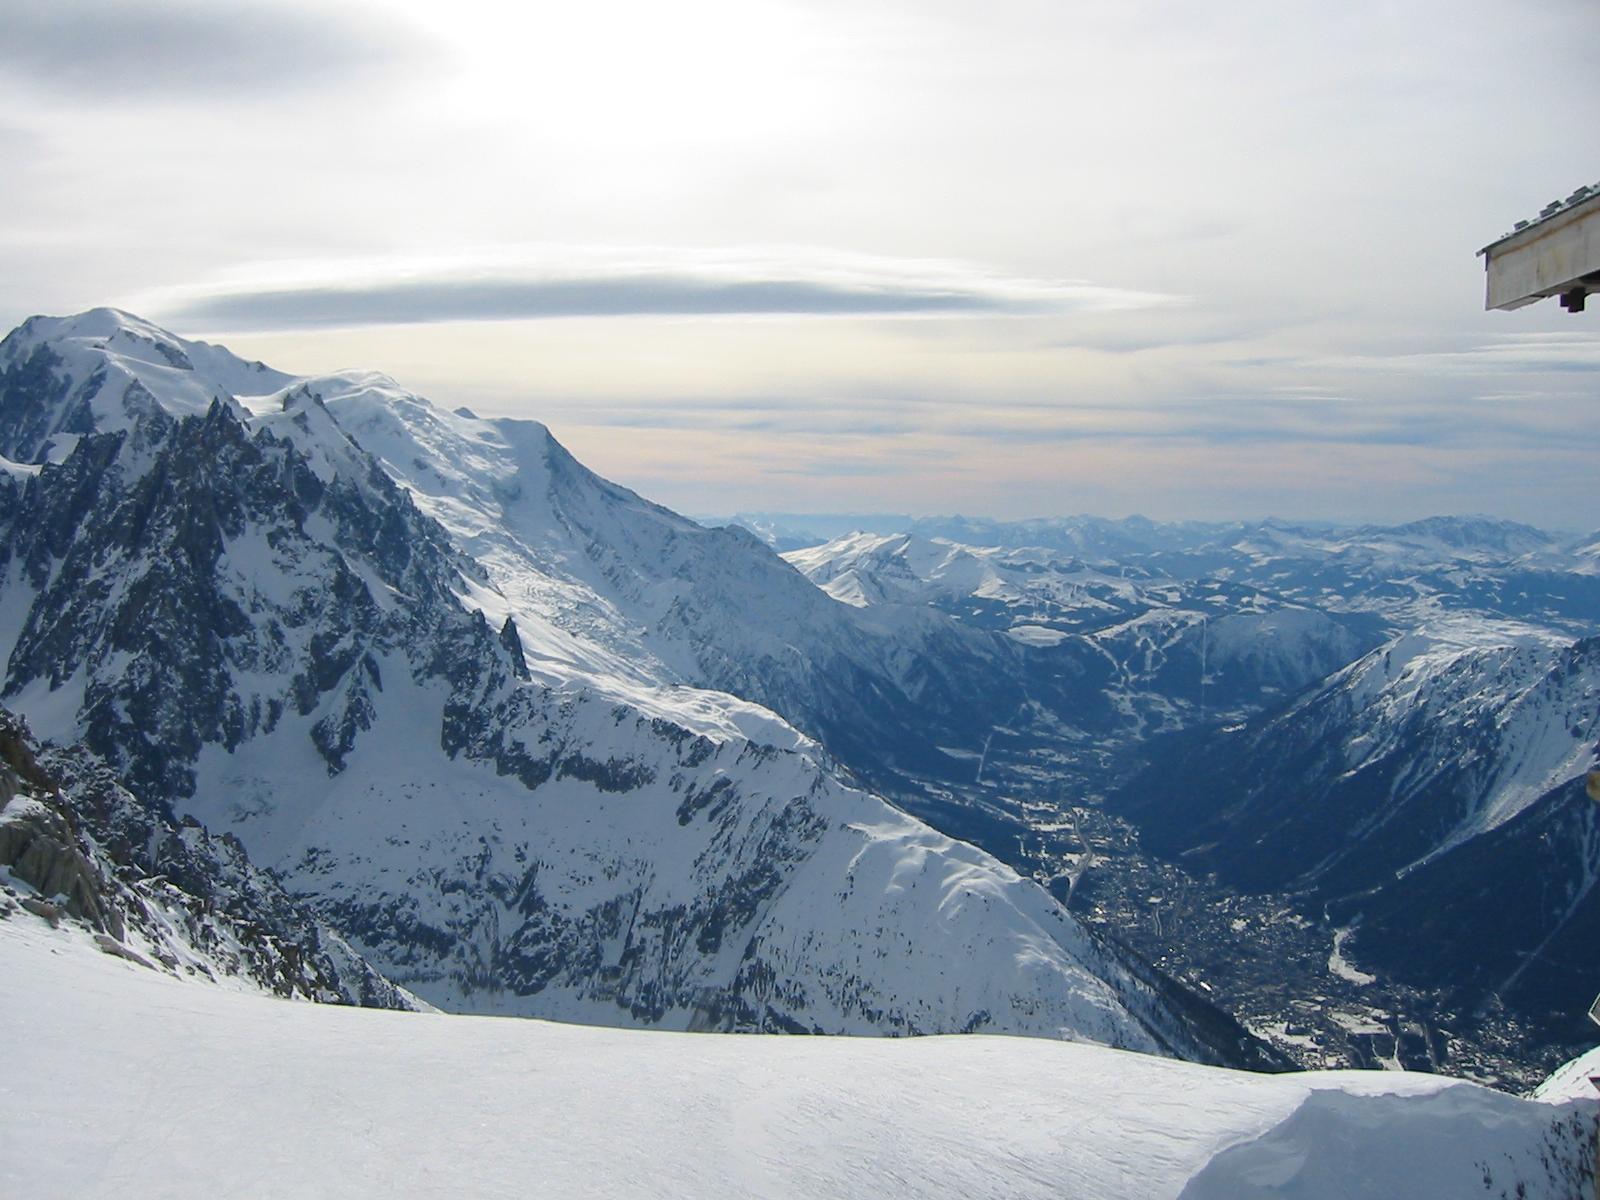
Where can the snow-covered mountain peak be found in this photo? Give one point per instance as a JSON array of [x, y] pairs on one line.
[[1470, 535], [867, 569], [648, 604], [144, 351], [608, 590], [99, 324], [107, 371], [299, 415], [1439, 736], [1416, 658], [561, 545], [1587, 553]]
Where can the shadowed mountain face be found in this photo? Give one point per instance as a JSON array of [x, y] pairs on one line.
[[1508, 920], [451, 688], [1415, 749], [1429, 797]]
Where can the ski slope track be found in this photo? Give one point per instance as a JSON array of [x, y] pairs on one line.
[[450, 690]]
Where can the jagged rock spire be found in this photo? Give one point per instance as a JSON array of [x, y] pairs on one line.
[[512, 641]]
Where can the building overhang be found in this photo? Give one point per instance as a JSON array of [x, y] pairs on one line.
[[1556, 255]]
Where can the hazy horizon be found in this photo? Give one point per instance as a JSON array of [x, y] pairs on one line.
[[886, 518]]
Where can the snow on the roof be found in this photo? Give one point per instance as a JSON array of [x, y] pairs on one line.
[[1554, 209]]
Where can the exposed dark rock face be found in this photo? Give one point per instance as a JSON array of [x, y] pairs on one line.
[[136, 593], [38, 847]]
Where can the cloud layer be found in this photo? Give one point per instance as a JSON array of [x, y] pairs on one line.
[[654, 284], [128, 50]]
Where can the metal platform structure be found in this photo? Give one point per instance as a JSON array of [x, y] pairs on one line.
[[1555, 254]]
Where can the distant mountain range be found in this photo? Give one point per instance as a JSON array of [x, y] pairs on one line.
[[1114, 538], [519, 735], [1388, 726]]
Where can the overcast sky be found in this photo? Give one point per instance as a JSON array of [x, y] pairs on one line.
[[1005, 258]]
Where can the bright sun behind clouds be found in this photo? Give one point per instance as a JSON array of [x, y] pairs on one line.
[[641, 78]]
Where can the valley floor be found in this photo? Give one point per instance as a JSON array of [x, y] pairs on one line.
[[121, 1081], [1267, 958]]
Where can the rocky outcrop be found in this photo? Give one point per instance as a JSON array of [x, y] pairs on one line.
[[37, 846]]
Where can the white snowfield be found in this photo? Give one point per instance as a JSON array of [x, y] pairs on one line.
[[1572, 1080], [123, 1082]]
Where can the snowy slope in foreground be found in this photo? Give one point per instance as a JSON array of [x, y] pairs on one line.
[[160, 1087]]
